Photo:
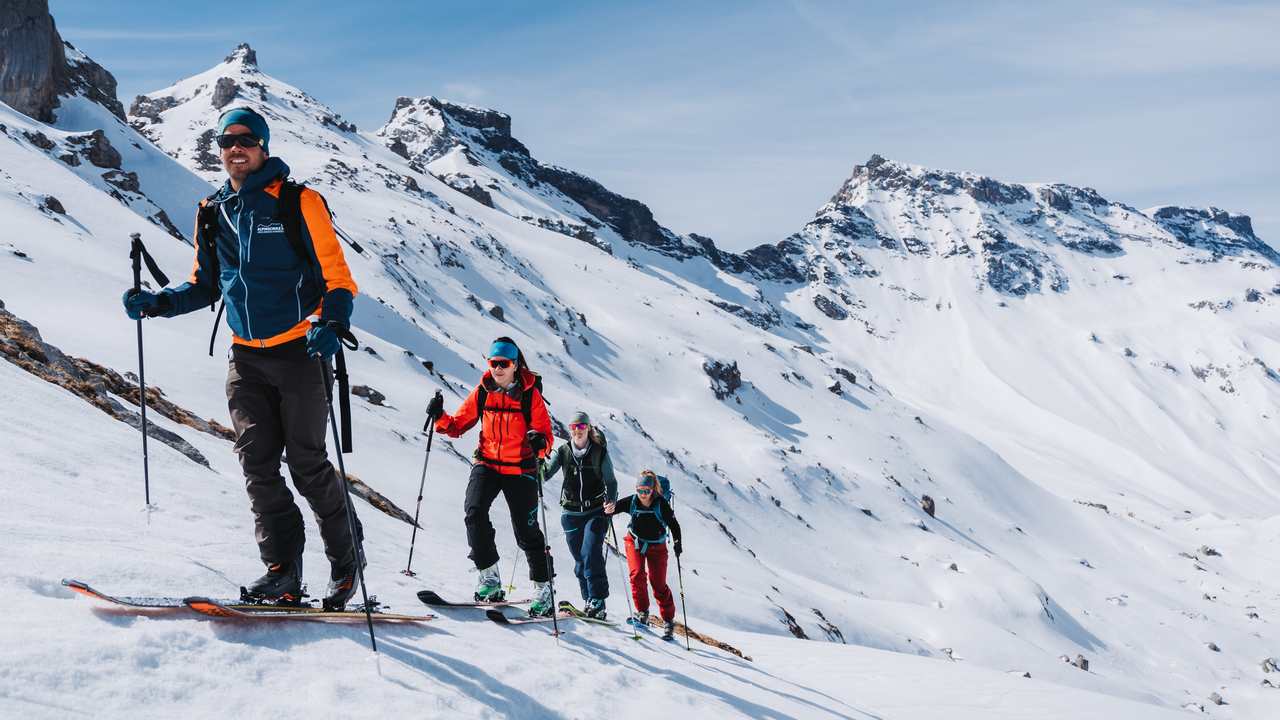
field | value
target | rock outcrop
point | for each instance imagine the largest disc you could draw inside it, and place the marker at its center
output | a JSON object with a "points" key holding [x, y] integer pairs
{"points": [[37, 67]]}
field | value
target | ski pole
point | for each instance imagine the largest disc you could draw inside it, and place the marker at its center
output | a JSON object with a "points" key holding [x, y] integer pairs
{"points": [[680, 577], [422, 485], [626, 582], [137, 253], [546, 549], [512, 576], [342, 476]]}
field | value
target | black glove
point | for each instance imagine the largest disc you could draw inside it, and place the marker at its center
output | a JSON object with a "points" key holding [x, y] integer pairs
{"points": [[677, 548], [536, 440], [140, 302], [435, 408]]}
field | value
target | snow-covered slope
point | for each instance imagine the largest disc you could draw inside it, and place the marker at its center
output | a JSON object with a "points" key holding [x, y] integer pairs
{"points": [[928, 333]]}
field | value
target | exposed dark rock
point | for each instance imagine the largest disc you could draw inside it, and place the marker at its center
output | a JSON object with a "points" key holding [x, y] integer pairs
{"points": [[145, 107], [126, 181], [1081, 663], [926, 503], [20, 343], [1208, 551], [206, 159], [467, 186], [90, 80], [1214, 230], [224, 92], [496, 311], [1252, 295], [1215, 698], [847, 375], [373, 396], [39, 140], [161, 219], [71, 159], [100, 152], [791, 624], [830, 308], [1055, 198], [725, 378], [36, 68], [31, 54], [337, 123], [52, 203], [244, 54]]}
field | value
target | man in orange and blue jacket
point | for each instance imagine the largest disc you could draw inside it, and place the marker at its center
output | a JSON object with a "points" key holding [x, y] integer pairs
{"points": [[274, 393]]}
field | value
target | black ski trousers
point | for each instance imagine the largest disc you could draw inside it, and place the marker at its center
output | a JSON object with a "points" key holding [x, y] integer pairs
{"points": [[277, 402], [521, 492]]}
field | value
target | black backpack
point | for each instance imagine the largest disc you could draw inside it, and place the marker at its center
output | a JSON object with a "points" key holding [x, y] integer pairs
{"points": [[526, 409]]}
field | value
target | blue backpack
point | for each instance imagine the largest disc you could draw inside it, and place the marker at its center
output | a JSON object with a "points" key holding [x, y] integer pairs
{"points": [[656, 511]]}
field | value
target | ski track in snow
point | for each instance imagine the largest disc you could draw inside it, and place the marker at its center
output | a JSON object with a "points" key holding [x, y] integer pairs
{"points": [[797, 502]]}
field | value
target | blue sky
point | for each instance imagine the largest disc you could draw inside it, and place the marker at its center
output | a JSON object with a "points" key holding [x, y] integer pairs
{"points": [[738, 120]]}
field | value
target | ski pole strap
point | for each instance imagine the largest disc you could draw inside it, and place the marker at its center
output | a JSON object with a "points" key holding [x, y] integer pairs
{"points": [[139, 251], [344, 399]]}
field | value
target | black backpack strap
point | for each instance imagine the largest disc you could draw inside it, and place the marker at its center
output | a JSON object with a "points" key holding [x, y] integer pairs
{"points": [[207, 240], [290, 213]]}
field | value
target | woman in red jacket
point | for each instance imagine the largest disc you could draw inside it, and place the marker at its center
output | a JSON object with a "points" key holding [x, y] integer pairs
{"points": [[515, 430]]}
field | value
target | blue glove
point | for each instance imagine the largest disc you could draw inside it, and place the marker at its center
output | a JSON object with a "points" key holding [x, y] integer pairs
{"points": [[139, 303], [323, 342]]}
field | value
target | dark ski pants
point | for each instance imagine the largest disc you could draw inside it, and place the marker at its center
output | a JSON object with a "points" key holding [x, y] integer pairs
{"points": [[277, 402], [521, 492], [585, 535], [655, 556]]}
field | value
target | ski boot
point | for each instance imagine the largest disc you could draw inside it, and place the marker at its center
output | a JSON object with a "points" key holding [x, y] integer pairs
{"points": [[282, 584], [489, 588], [343, 583], [541, 605], [641, 618], [595, 609], [668, 629]]}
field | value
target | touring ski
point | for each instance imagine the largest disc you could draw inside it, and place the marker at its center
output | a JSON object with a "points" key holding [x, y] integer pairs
{"points": [[163, 603], [430, 597], [499, 617], [565, 605], [212, 608]]}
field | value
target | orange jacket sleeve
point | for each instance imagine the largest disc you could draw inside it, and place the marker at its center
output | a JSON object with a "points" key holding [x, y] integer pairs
{"points": [[463, 419]]}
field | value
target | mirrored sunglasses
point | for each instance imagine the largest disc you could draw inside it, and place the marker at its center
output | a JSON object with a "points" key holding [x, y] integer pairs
{"points": [[499, 363], [246, 140], [578, 426], [643, 491]]}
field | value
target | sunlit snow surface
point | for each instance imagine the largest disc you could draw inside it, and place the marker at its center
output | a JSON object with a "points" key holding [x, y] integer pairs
{"points": [[1025, 404]]}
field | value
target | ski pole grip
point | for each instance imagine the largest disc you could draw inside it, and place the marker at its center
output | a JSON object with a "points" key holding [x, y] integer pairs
{"points": [[314, 320]]}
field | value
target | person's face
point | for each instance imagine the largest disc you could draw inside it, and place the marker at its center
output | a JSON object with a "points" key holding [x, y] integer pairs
{"points": [[241, 162], [578, 431], [645, 496], [502, 375]]}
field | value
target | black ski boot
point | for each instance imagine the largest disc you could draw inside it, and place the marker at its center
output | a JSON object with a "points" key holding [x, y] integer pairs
{"points": [[344, 581], [595, 609], [668, 629], [282, 584]]}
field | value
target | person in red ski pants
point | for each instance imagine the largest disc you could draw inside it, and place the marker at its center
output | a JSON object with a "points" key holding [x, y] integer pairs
{"points": [[652, 519]]}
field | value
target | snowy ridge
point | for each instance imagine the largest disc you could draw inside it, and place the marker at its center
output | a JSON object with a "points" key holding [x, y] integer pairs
{"points": [[980, 359]]}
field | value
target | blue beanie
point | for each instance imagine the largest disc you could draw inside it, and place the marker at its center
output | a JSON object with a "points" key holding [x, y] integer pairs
{"points": [[250, 119]]}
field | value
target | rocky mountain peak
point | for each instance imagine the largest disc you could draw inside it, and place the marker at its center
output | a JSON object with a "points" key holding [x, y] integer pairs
{"points": [[244, 55]]}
